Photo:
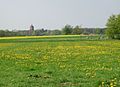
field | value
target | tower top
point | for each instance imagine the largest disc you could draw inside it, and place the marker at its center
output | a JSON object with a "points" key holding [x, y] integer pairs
{"points": [[31, 27]]}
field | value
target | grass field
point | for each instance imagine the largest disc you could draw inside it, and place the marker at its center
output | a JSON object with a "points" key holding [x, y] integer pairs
{"points": [[59, 61]]}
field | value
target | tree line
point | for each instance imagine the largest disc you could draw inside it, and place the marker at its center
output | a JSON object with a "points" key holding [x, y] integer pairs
{"points": [[66, 30]]}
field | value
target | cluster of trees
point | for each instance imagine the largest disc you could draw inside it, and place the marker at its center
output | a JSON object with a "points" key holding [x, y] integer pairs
{"points": [[7, 33], [77, 30], [67, 30]]}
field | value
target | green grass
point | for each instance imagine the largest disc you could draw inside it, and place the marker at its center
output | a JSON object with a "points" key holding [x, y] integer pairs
{"points": [[59, 61]]}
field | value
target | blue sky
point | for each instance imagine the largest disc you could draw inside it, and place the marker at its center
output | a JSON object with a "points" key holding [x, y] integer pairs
{"points": [[54, 14]]}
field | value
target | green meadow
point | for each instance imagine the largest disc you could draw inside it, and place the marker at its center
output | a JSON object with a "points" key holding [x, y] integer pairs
{"points": [[59, 61]]}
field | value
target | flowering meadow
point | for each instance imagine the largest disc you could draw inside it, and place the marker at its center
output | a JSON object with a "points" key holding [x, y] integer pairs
{"points": [[59, 61]]}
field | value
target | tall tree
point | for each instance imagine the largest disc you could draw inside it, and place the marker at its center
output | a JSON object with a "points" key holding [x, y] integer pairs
{"points": [[77, 30], [113, 27], [67, 29]]}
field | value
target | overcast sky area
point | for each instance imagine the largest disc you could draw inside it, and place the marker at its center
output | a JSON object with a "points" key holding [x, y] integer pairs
{"points": [[54, 14]]}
